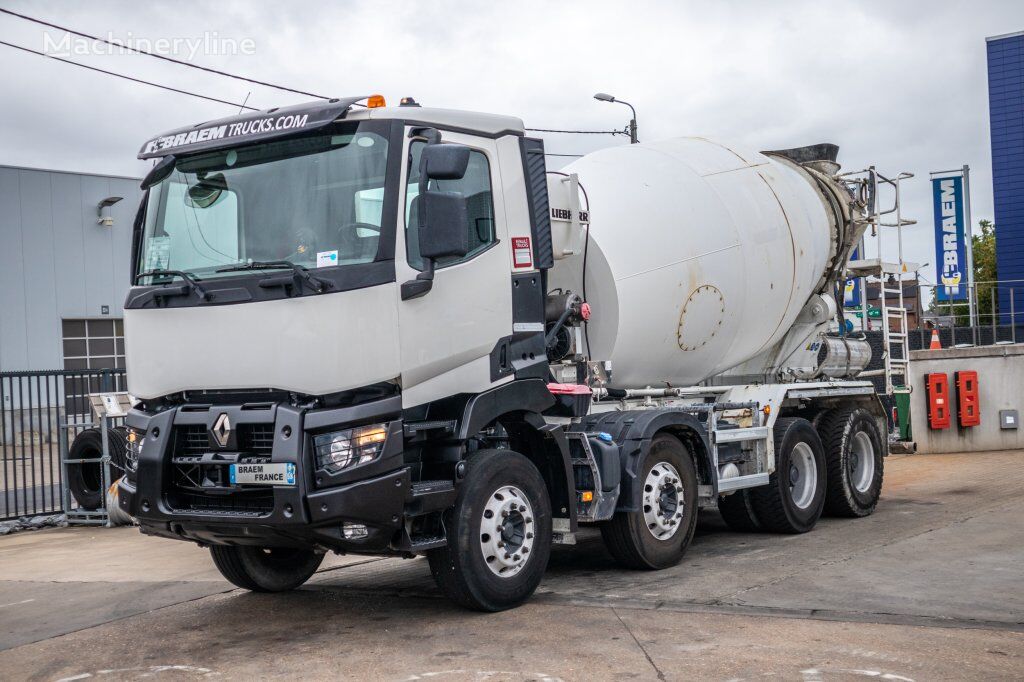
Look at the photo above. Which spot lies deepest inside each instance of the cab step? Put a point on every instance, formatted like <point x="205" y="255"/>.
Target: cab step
<point x="446" y="426"/>
<point x="430" y="496"/>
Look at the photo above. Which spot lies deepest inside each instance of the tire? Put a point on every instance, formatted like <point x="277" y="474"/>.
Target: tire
<point x="657" y="535"/>
<point x="272" y="569"/>
<point x="471" y="569"/>
<point x="118" y="438"/>
<point x="854" y="480"/>
<point x="85" y="479"/>
<point x="794" y="498"/>
<point x="738" y="512"/>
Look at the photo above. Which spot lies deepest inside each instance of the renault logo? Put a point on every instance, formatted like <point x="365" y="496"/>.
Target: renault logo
<point x="222" y="430"/>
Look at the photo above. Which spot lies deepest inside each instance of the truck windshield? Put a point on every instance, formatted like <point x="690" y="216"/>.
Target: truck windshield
<point x="312" y="201"/>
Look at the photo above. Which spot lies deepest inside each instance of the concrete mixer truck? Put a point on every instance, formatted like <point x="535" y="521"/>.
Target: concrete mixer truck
<point x="380" y="330"/>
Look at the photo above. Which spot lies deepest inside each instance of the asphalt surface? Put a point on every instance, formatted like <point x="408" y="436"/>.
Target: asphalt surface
<point x="930" y="587"/>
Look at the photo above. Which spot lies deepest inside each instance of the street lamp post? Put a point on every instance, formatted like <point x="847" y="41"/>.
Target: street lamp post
<point x="605" y="97"/>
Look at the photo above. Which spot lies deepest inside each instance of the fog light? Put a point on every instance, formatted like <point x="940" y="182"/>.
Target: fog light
<point x="354" y="531"/>
<point x="343" y="449"/>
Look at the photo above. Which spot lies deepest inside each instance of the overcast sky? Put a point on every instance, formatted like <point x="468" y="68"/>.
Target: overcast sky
<point x="901" y="85"/>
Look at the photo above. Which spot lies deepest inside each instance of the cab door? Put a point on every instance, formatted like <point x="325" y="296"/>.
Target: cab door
<point x="447" y="335"/>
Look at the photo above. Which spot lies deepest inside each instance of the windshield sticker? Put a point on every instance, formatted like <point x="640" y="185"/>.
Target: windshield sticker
<point x="239" y="129"/>
<point x="325" y="259"/>
<point x="158" y="252"/>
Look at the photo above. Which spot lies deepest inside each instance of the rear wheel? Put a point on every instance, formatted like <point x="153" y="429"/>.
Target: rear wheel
<point x="658" y="533"/>
<point x="738" y="512"/>
<point x="853" y="458"/>
<point x="265" y="569"/>
<point x="795" y="495"/>
<point x="499" y="534"/>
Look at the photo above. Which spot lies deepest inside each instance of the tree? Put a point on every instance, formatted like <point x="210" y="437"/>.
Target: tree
<point x="984" y="251"/>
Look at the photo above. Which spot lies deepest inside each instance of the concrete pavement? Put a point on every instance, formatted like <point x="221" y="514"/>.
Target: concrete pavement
<point x="930" y="587"/>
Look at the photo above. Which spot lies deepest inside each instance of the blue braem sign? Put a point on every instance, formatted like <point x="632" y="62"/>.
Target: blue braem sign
<point x="950" y="248"/>
<point x="851" y="289"/>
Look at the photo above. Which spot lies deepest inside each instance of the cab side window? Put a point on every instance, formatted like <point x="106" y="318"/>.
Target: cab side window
<point x="474" y="186"/>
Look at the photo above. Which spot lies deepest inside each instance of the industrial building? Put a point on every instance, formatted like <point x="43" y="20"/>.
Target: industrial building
<point x="65" y="240"/>
<point x="1006" y="112"/>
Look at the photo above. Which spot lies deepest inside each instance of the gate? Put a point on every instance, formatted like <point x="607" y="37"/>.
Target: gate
<point x="34" y="405"/>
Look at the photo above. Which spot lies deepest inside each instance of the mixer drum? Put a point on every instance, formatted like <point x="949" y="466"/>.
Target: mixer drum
<point x="700" y="256"/>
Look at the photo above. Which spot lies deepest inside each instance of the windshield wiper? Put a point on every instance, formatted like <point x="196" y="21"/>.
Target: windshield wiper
<point x="300" y="273"/>
<point x="191" y="284"/>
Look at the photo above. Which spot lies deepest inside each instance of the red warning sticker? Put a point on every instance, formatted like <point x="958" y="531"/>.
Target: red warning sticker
<point x="522" y="254"/>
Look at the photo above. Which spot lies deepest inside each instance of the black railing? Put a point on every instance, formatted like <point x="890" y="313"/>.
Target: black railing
<point x="34" y="406"/>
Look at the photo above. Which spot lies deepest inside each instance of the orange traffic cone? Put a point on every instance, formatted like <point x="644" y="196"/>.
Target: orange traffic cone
<point x="935" y="344"/>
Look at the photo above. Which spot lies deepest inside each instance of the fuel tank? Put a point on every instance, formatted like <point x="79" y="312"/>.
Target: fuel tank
<point x="699" y="256"/>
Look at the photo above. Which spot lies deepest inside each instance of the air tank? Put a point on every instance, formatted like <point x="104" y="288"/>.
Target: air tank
<point x="700" y="255"/>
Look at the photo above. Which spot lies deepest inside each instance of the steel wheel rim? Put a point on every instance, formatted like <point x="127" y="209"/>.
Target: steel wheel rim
<point x="803" y="475"/>
<point x="506" y="531"/>
<point x="664" y="501"/>
<point x="862" y="462"/>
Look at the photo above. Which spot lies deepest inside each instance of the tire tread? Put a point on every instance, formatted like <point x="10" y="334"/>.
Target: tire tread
<point x="230" y="566"/>
<point x="767" y="501"/>
<point x="832" y="429"/>
<point x="454" y="572"/>
<point x="738" y="512"/>
<point x="620" y="534"/>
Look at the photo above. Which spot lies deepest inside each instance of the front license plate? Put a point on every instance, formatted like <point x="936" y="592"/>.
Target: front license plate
<point x="282" y="473"/>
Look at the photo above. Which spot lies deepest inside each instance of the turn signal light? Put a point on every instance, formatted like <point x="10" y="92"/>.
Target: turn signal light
<point x="375" y="101"/>
<point x="587" y="496"/>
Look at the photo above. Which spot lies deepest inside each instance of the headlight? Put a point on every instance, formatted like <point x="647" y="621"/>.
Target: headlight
<point x="343" y="449"/>
<point x="133" y="447"/>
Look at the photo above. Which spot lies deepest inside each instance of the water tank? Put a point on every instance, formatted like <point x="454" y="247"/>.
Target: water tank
<point x="700" y="256"/>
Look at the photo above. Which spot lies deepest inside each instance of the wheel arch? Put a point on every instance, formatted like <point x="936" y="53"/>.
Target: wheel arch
<point x="815" y="409"/>
<point x="548" y="449"/>
<point x="633" y="430"/>
<point x="516" y="406"/>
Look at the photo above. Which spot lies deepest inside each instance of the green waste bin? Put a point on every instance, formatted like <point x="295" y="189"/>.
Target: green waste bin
<point x="902" y="398"/>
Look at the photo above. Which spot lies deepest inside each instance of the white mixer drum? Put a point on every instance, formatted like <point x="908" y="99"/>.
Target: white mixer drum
<point x="700" y="256"/>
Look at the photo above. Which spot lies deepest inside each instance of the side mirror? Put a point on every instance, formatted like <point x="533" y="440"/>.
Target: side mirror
<point x="158" y="172"/>
<point x="443" y="216"/>
<point x="443" y="219"/>
<point x="445" y="161"/>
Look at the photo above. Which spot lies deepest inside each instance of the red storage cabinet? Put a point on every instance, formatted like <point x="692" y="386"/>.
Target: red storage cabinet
<point x="937" y="394"/>
<point x="968" y="411"/>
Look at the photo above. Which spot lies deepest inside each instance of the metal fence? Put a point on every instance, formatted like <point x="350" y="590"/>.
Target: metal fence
<point x="993" y="306"/>
<point x="34" y="406"/>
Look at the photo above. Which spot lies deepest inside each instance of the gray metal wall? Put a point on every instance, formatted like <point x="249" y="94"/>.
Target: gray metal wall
<point x="56" y="262"/>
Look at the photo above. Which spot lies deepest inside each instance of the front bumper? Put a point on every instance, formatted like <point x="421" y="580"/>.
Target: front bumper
<point x="201" y="507"/>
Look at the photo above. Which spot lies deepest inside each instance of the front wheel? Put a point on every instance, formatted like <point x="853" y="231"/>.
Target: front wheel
<point x="499" y="534"/>
<point x="265" y="569"/>
<point x="657" y="534"/>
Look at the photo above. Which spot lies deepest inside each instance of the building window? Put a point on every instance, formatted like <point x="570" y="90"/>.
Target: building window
<point x="93" y="344"/>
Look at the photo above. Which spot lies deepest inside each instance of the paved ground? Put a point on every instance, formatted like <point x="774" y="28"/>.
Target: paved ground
<point x="930" y="587"/>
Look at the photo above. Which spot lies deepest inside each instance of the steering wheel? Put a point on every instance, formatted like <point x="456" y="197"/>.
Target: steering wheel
<point x="350" y="228"/>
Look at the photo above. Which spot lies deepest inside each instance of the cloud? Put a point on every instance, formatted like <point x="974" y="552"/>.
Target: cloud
<point x="901" y="86"/>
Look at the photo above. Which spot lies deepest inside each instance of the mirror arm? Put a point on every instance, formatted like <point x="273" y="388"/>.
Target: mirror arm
<point x="423" y="283"/>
